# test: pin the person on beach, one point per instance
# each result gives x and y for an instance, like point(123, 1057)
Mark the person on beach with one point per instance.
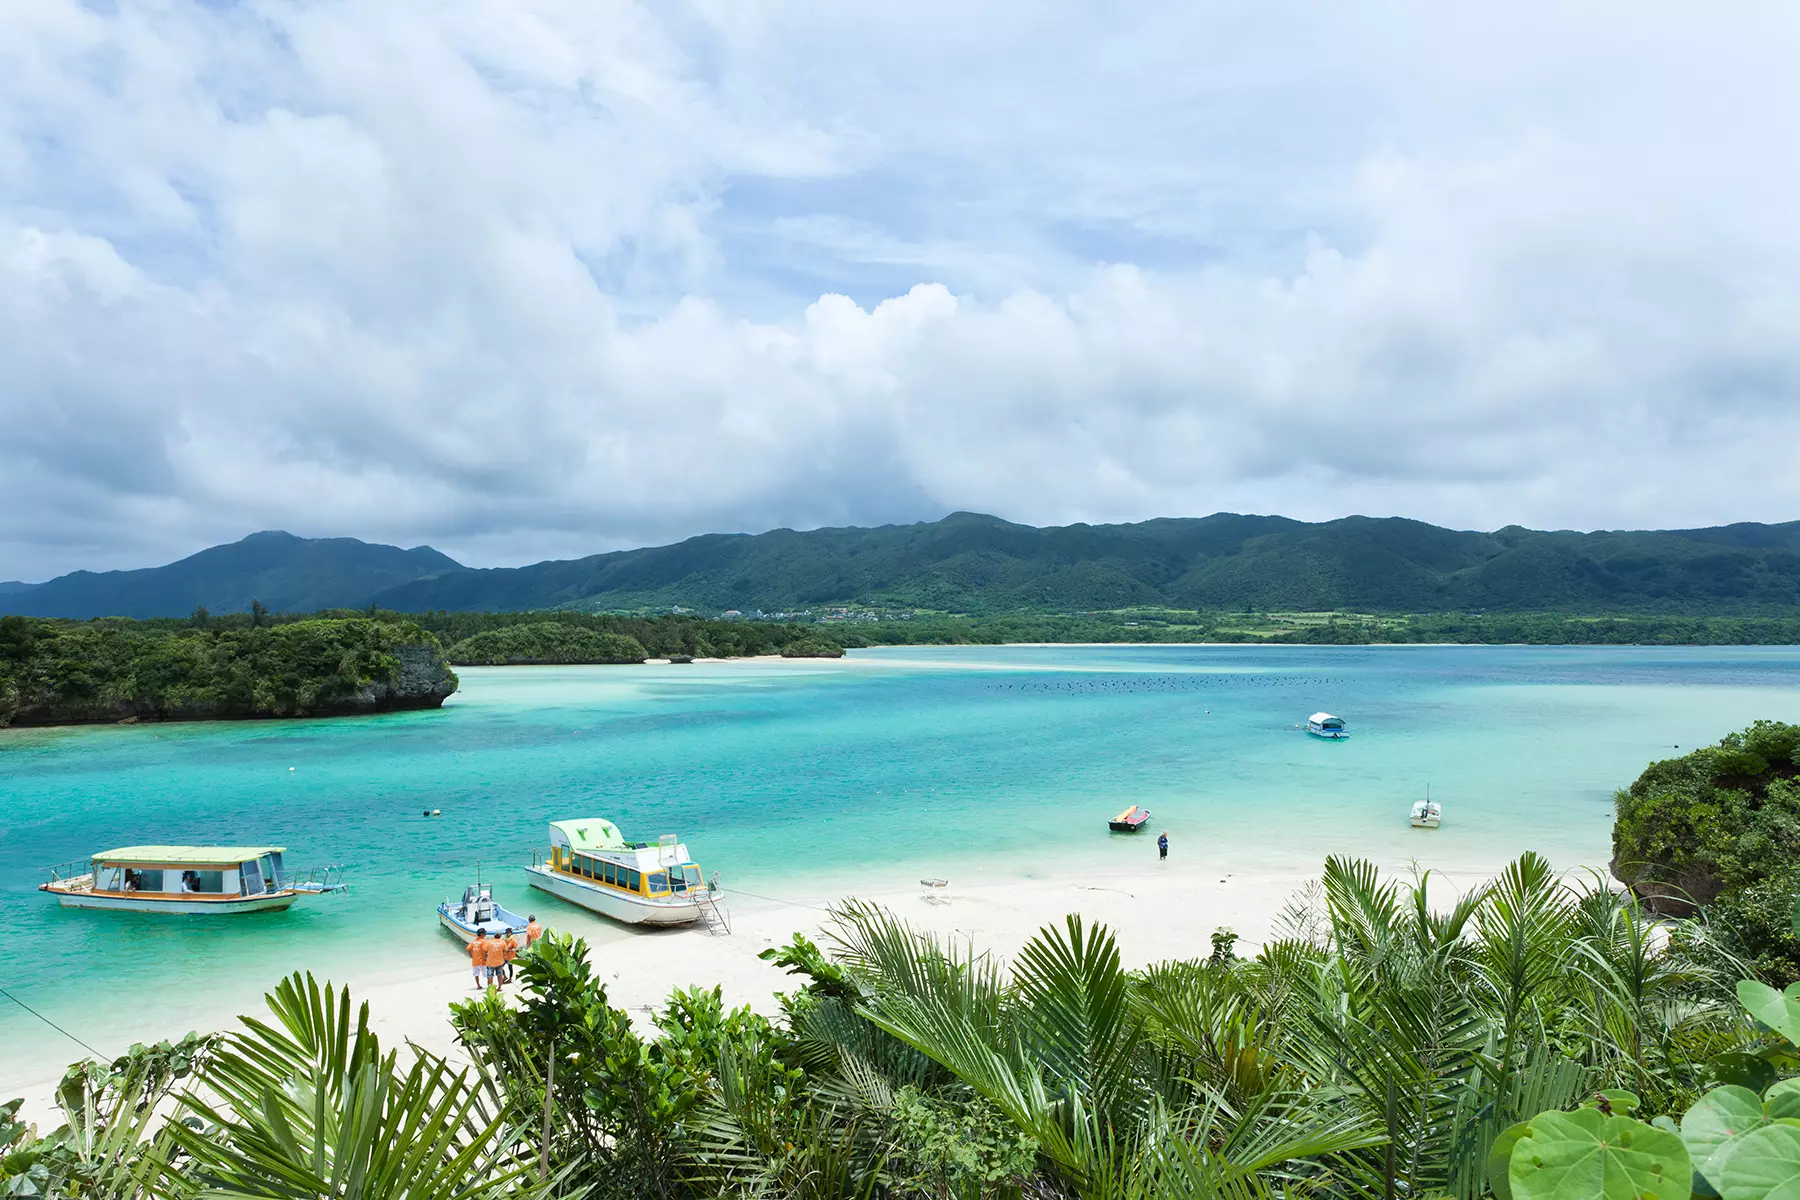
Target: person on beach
point(496, 961)
point(509, 950)
point(1162, 844)
point(533, 931)
point(478, 958)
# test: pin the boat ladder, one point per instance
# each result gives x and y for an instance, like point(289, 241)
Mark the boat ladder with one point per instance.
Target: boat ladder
point(713, 912)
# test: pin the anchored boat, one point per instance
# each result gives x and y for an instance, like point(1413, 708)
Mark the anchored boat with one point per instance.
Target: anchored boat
point(1129, 821)
point(1427, 813)
point(194, 880)
point(1323, 724)
point(640, 883)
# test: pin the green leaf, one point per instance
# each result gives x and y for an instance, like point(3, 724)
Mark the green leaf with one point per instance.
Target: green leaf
point(1744, 1070)
point(1716, 1124)
point(1764, 1166)
point(1621, 1102)
point(1777, 1010)
point(1587, 1155)
point(1500, 1159)
point(1782, 1100)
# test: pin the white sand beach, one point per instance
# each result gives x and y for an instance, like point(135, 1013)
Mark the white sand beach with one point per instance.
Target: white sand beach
point(1163, 910)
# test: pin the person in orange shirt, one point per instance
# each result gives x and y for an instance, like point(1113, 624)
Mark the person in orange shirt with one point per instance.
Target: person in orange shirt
point(509, 950)
point(478, 951)
point(533, 931)
point(496, 959)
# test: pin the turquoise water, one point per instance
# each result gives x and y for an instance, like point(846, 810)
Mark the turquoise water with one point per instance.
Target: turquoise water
point(806, 779)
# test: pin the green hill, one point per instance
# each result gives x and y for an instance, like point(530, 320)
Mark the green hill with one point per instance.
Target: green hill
point(969, 563)
point(286, 573)
point(981, 564)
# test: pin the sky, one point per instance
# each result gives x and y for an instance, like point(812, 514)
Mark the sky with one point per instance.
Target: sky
point(541, 278)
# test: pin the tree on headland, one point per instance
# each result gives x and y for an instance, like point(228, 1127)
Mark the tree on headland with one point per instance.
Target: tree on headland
point(200, 617)
point(259, 614)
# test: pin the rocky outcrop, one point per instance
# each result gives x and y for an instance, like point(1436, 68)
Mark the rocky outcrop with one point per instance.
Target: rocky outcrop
point(424, 680)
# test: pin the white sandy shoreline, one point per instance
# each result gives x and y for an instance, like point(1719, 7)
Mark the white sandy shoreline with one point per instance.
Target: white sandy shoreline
point(1158, 911)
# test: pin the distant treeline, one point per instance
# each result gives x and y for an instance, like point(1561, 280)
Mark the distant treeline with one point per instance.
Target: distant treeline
point(1530, 629)
point(57, 672)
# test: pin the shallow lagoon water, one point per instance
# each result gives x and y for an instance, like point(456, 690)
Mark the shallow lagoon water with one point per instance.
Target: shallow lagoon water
point(805, 780)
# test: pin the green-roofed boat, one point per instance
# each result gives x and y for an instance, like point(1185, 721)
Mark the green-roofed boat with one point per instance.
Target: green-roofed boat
point(640, 883)
point(192, 880)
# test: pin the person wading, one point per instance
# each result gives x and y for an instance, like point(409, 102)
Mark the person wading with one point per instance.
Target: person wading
point(478, 957)
point(1162, 844)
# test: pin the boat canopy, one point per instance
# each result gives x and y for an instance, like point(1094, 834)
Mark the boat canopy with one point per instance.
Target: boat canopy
point(1325, 719)
point(187, 856)
point(586, 835)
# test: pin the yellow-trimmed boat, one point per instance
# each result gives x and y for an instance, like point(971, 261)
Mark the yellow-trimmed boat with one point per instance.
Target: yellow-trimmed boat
point(190, 880)
point(640, 883)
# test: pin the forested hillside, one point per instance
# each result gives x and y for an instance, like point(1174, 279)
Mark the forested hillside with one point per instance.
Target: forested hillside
point(285, 573)
point(968, 563)
point(979, 564)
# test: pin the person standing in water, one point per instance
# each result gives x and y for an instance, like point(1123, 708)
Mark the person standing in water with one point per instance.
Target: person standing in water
point(478, 957)
point(1162, 844)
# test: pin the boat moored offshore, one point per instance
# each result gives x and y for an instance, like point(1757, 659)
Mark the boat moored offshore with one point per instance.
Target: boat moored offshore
point(640, 883)
point(190, 880)
point(1323, 724)
point(1427, 813)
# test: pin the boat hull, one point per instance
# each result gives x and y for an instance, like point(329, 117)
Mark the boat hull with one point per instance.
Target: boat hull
point(1125, 826)
point(191, 908)
point(1330, 735)
point(609, 902)
point(505, 922)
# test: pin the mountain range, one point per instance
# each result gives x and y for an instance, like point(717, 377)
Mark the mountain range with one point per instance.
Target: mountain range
point(973, 563)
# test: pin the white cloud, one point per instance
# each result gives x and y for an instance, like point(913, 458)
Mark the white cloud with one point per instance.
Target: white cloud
point(544, 278)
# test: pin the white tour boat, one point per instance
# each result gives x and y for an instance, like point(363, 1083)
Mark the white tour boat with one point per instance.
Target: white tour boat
point(1323, 724)
point(640, 883)
point(192, 880)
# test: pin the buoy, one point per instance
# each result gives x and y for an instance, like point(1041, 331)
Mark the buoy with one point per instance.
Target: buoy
point(290, 768)
point(436, 813)
point(426, 813)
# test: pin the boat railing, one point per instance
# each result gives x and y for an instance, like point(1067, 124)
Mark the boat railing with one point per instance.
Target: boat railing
point(316, 880)
point(73, 869)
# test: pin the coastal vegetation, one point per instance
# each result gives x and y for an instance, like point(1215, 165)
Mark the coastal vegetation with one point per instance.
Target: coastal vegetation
point(546, 642)
point(1536, 1041)
point(1719, 829)
point(62, 672)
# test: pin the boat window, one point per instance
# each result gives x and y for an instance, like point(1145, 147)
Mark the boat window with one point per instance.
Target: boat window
point(609, 872)
point(252, 876)
point(691, 872)
point(203, 882)
point(109, 879)
point(587, 867)
point(143, 879)
point(659, 881)
point(633, 880)
point(271, 870)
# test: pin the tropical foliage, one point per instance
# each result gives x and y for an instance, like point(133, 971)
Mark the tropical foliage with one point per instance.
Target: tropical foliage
point(54, 671)
point(1535, 1040)
point(546, 642)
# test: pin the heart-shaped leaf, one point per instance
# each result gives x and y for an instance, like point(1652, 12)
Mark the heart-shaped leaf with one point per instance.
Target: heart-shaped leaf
point(1500, 1159)
point(1782, 1100)
point(1715, 1125)
point(1765, 1165)
point(1777, 1010)
point(1587, 1155)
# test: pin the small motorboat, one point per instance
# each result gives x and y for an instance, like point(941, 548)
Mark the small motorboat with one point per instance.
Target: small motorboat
point(1129, 821)
point(1323, 724)
point(1427, 813)
point(477, 910)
